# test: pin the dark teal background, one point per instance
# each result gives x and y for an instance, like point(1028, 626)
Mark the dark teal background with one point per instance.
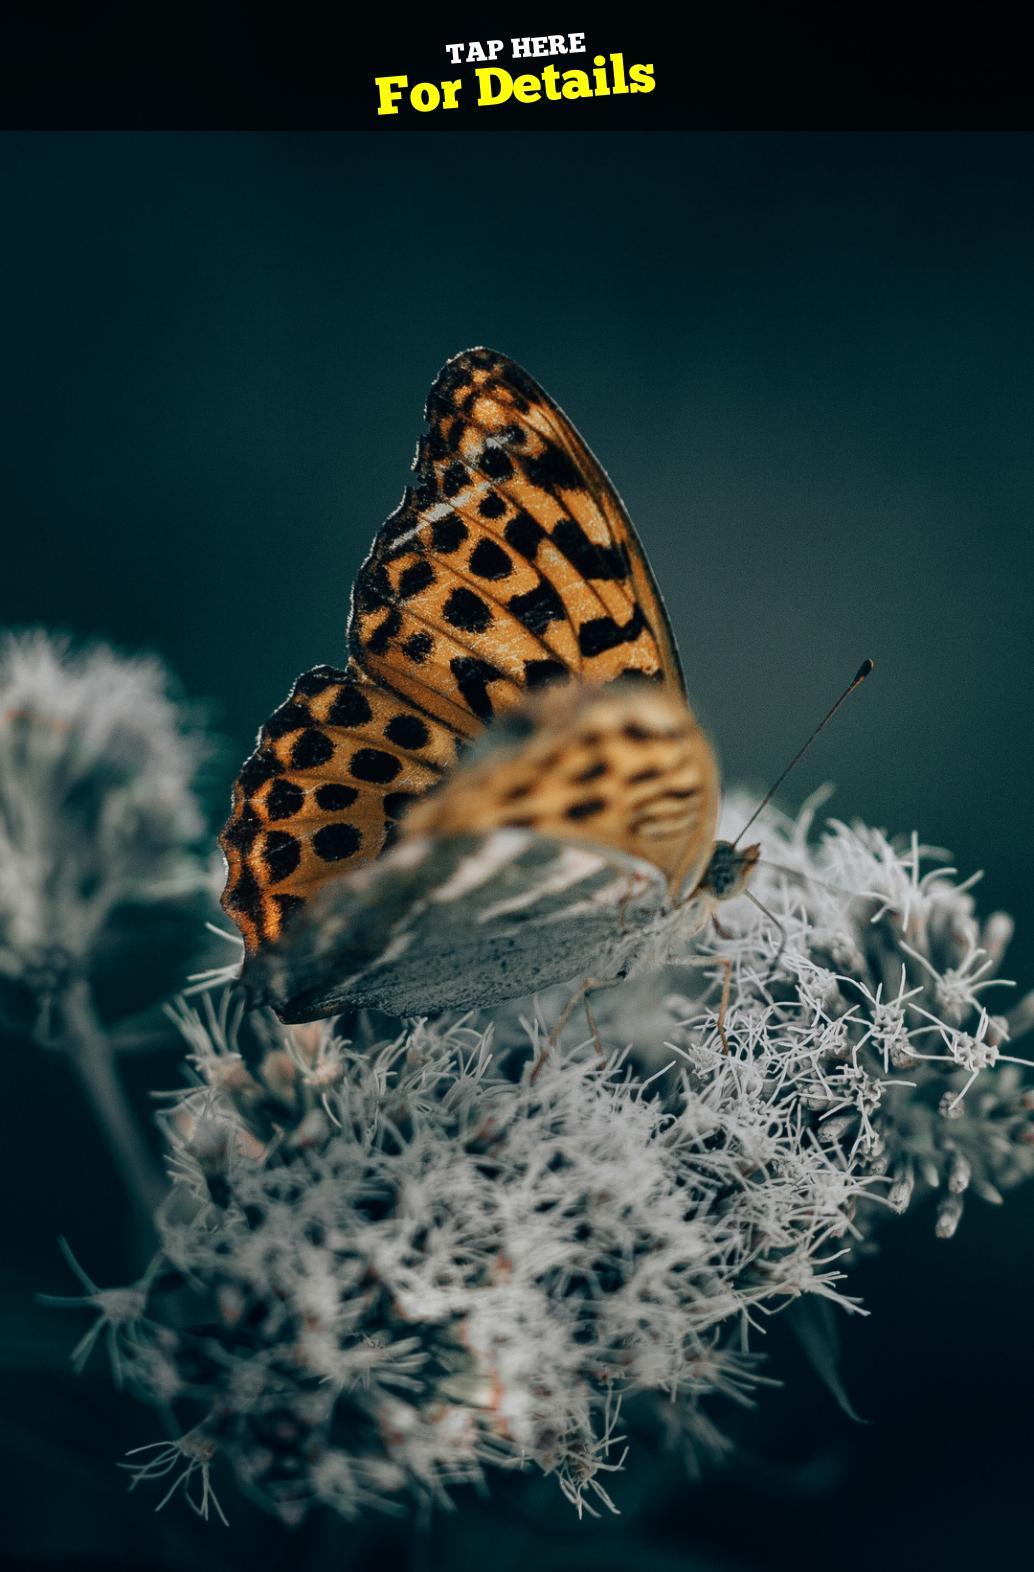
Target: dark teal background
point(806, 361)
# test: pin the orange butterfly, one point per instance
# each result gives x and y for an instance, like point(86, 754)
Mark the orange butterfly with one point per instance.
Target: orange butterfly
point(374, 856)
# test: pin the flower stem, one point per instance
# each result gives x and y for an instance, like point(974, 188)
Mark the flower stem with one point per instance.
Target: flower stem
point(91, 1054)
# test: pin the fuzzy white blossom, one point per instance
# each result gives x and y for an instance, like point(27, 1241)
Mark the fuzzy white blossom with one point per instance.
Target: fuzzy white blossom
point(407, 1261)
point(389, 1264)
point(869, 981)
point(102, 881)
point(97, 812)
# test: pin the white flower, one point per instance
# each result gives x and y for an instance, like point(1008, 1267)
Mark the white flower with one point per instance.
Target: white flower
point(469, 1265)
point(393, 1265)
point(99, 858)
point(189, 1461)
point(97, 814)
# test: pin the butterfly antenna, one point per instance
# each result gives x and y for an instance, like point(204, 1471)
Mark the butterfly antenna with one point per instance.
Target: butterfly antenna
point(863, 671)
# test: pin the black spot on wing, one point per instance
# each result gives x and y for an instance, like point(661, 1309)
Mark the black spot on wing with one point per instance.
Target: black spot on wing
point(496, 463)
point(335, 796)
point(488, 560)
point(600, 634)
point(416, 578)
point(552, 469)
point(334, 842)
point(246, 895)
point(418, 647)
point(289, 717)
point(591, 772)
point(284, 799)
point(524, 534)
point(350, 707)
point(472, 677)
point(538, 608)
point(281, 854)
point(396, 803)
point(492, 506)
point(539, 673)
point(373, 764)
point(591, 560)
point(467, 611)
point(454, 479)
point(261, 767)
point(448, 534)
point(243, 830)
point(408, 731)
point(312, 749)
point(586, 809)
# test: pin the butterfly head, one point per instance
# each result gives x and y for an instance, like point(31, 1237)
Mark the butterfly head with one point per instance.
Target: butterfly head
point(729, 870)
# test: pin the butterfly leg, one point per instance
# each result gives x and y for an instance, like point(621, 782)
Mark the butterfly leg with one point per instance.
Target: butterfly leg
point(580, 996)
point(593, 1028)
point(726, 964)
point(723, 1007)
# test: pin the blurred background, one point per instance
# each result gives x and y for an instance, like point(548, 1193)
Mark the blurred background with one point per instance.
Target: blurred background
point(806, 361)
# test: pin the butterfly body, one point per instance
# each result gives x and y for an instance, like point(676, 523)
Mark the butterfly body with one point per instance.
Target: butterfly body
point(505, 787)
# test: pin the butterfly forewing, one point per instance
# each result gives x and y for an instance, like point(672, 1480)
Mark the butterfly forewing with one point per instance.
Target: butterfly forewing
point(511, 562)
point(509, 566)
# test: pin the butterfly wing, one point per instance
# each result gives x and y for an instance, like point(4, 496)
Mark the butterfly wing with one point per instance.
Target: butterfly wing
point(510, 564)
point(457, 923)
point(543, 857)
point(617, 766)
point(336, 766)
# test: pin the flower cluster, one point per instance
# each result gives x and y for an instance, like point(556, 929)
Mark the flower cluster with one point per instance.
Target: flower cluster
point(903, 975)
point(391, 1262)
point(103, 883)
point(410, 1260)
point(861, 970)
point(98, 820)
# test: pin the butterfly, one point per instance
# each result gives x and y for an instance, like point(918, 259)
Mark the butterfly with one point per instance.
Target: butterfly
point(504, 787)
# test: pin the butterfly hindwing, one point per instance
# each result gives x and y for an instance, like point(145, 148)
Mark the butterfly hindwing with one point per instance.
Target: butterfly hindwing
point(458, 922)
point(619, 766)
